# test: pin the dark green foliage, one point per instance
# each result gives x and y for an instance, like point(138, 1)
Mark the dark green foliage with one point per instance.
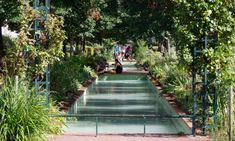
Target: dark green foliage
point(67, 76)
point(107, 49)
point(8, 42)
point(8, 10)
point(86, 19)
point(147, 18)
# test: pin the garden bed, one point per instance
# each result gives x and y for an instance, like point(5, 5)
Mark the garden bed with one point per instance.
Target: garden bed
point(72, 97)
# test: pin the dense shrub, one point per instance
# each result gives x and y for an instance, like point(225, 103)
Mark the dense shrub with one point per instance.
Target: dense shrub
point(107, 49)
point(25, 115)
point(178, 81)
point(141, 52)
point(169, 70)
point(67, 76)
point(8, 42)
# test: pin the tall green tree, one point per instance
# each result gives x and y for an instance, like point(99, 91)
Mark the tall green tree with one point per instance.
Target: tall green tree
point(143, 19)
point(80, 17)
point(90, 20)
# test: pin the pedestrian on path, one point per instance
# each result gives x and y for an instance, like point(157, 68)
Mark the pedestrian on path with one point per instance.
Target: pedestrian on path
point(118, 66)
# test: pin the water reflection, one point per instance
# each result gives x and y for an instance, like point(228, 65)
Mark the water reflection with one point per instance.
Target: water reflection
point(124, 94)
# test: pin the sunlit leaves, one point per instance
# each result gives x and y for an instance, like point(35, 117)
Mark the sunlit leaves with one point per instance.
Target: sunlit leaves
point(207, 18)
point(29, 56)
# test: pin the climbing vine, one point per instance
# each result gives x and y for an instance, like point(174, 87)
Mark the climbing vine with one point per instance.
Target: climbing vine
point(30, 57)
point(195, 20)
point(214, 19)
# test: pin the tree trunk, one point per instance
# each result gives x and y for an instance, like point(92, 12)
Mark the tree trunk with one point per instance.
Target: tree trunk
point(71, 46)
point(65, 49)
point(167, 40)
point(83, 45)
point(80, 45)
point(76, 47)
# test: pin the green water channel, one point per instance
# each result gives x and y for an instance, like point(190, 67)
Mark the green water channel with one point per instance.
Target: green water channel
point(124, 94)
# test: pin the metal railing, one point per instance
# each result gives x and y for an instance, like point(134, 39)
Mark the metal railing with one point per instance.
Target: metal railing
point(145, 117)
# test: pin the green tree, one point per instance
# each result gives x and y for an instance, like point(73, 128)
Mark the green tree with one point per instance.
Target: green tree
point(143, 19)
point(9, 14)
point(80, 18)
point(91, 21)
point(214, 19)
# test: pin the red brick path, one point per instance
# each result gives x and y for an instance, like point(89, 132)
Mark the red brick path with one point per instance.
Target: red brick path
point(73, 137)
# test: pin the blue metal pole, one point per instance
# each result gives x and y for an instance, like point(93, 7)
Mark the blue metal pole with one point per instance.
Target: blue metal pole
point(47, 9)
point(47, 85)
point(36, 29)
point(204, 118)
point(144, 125)
point(96, 120)
point(36, 4)
point(194, 91)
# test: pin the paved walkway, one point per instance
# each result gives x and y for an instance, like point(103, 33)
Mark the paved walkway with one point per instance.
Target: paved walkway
point(73, 137)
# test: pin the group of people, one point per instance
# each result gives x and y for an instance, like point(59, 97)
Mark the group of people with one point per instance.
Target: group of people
point(121, 52)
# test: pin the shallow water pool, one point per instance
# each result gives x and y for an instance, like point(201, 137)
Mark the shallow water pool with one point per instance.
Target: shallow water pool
point(124, 94)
